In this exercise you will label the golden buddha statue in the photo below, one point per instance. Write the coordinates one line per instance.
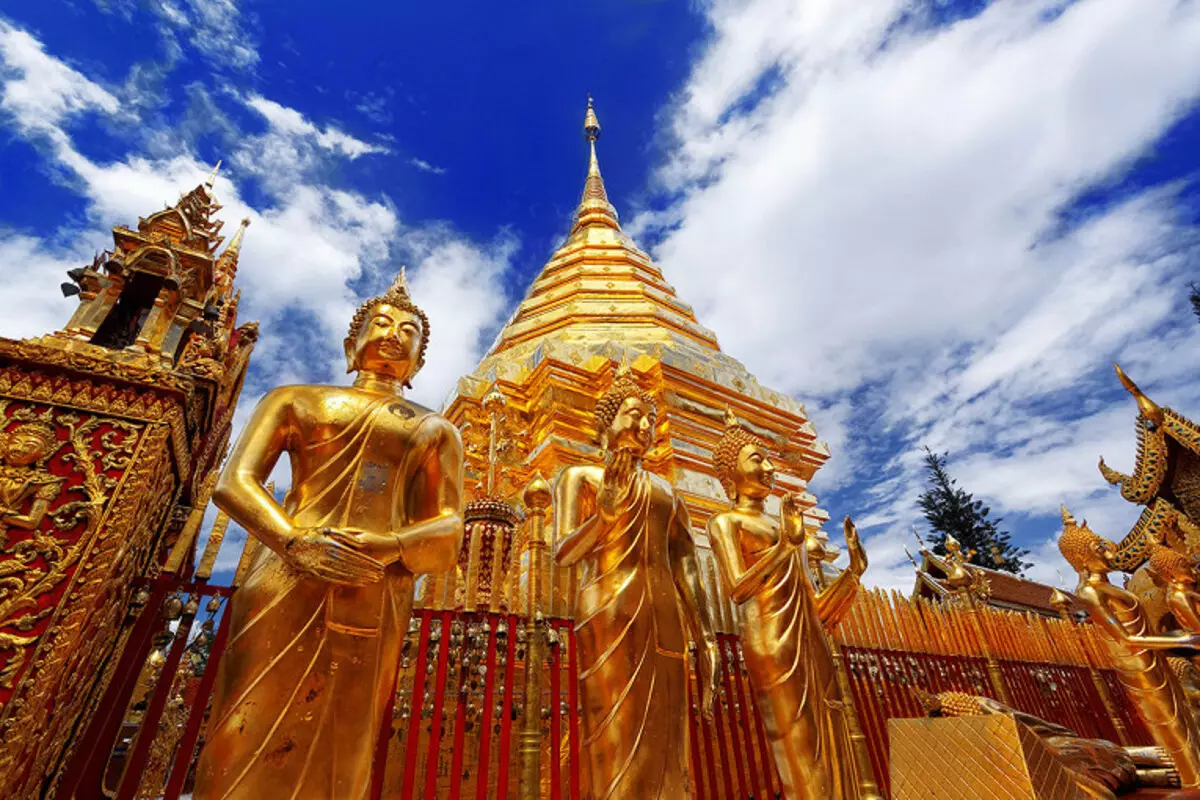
(1141, 663)
(22, 481)
(376, 498)
(791, 667)
(639, 589)
(1173, 573)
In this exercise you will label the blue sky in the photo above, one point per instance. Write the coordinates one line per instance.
(933, 222)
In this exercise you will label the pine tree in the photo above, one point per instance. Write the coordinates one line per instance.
(950, 509)
(1195, 298)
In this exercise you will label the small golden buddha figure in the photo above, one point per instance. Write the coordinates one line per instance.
(1173, 573)
(964, 580)
(376, 499)
(22, 481)
(1141, 662)
(640, 595)
(762, 564)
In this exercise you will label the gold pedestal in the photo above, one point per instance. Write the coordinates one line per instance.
(975, 757)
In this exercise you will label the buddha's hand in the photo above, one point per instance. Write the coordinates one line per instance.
(383, 548)
(791, 520)
(615, 485)
(321, 554)
(709, 663)
(858, 556)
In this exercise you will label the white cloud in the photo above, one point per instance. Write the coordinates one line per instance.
(310, 244)
(898, 188)
(215, 28)
(425, 166)
(40, 91)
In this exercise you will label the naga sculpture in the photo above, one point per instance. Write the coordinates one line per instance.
(640, 594)
(1141, 663)
(1166, 480)
(318, 624)
(791, 668)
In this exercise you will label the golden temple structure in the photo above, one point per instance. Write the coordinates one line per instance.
(115, 634)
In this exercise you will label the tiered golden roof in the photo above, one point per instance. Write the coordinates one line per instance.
(600, 301)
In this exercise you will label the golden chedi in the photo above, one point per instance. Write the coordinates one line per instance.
(791, 667)
(640, 594)
(1138, 653)
(317, 626)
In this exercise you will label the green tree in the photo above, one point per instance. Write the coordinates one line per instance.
(951, 510)
(1195, 298)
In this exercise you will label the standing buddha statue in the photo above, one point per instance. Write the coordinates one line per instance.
(376, 499)
(1139, 655)
(782, 621)
(640, 593)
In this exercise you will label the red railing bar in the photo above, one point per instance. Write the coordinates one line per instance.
(718, 730)
(573, 711)
(439, 696)
(489, 695)
(735, 737)
(697, 766)
(187, 746)
(707, 729)
(735, 668)
(414, 713)
(460, 716)
(555, 721)
(148, 731)
(506, 710)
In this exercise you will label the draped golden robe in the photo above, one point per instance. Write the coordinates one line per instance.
(304, 679)
(630, 636)
(793, 676)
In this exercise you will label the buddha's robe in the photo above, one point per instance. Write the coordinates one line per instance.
(791, 668)
(1147, 677)
(304, 679)
(630, 638)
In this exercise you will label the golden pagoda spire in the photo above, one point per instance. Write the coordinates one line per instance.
(594, 207)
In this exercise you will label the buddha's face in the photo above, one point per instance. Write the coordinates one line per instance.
(389, 343)
(632, 428)
(755, 474)
(24, 448)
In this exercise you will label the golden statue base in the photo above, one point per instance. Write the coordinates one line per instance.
(993, 756)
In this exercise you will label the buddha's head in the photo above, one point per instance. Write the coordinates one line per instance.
(28, 444)
(1083, 549)
(1171, 566)
(388, 335)
(625, 416)
(742, 462)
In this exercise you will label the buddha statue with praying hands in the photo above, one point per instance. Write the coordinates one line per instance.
(640, 598)
(376, 499)
(782, 620)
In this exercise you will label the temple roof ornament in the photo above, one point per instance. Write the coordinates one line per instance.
(594, 207)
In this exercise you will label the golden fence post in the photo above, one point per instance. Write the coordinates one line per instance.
(866, 773)
(537, 501)
(994, 674)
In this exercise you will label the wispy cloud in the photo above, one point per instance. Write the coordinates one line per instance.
(425, 166)
(885, 196)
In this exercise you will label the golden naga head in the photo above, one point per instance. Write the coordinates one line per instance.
(1151, 467)
(1083, 549)
(27, 444)
(625, 415)
(388, 334)
(1171, 566)
(742, 462)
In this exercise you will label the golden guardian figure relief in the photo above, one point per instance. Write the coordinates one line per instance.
(782, 620)
(639, 598)
(318, 625)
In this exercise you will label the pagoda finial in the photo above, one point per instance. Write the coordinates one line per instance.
(594, 207)
(227, 265)
(212, 177)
